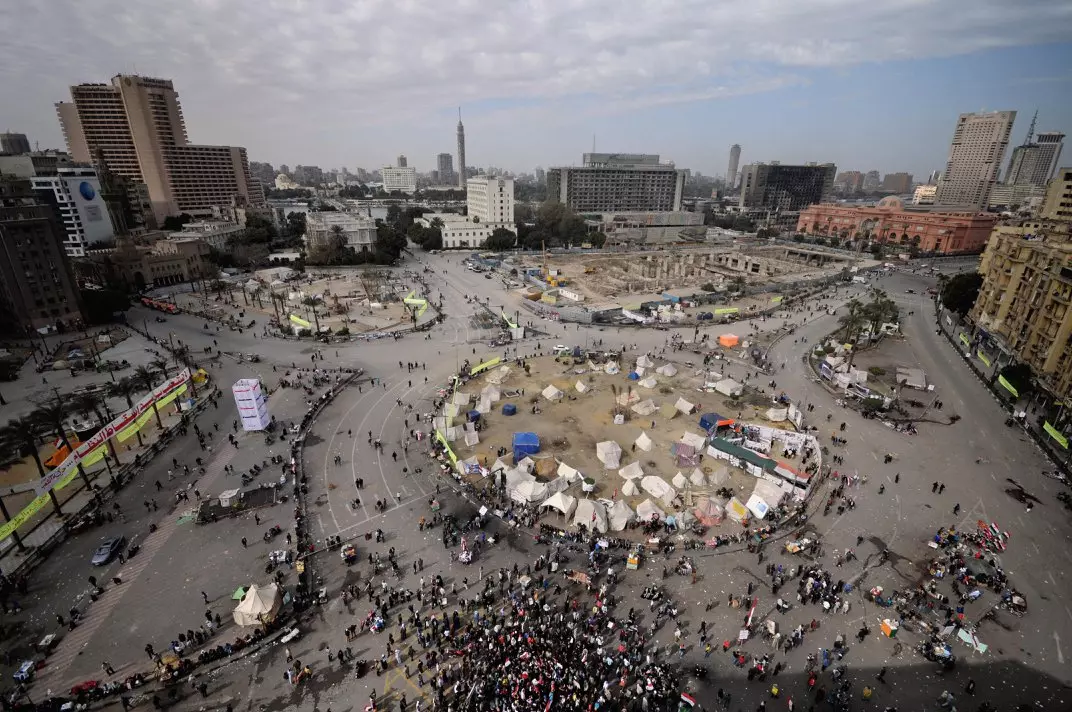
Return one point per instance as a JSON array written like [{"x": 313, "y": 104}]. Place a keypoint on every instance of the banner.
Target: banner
[
  {"x": 299, "y": 321},
  {"x": 1053, "y": 433},
  {"x": 983, "y": 357},
  {"x": 486, "y": 365},
  {"x": 421, "y": 305},
  {"x": 965, "y": 339},
  {"x": 776, "y": 300},
  {"x": 508, "y": 320},
  {"x": 446, "y": 447},
  {"x": 139, "y": 423},
  {"x": 1008, "y": 386},
  {"x": 726, "y": 310},
  {"x": 22, "y": 517}
]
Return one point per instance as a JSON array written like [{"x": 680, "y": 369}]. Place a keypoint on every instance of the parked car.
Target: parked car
[{"x": 107, "y": 550}]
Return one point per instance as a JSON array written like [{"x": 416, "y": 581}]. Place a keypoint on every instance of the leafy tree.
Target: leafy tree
[
  {"x": 288, "y": 193},
  {"x": 394, "y": 215},
  {"x": 260, "y": 229},
  {"x": 500, "y": 239},
  {"x": 877, "y": 251},
  {"x": 708, "y": 287},
  {"x": 961, "y": 291},
  {"x": 880, "y": 310},
  {"x": 174, "y": 223},
  {"x": 596, "y": 239},
  {"x": 1020, "y": 376},
  {"x": 53, "y": 415},
  {"x": 296, "y": 224}
]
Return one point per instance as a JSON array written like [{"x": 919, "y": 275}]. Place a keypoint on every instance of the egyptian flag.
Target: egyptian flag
[{"x": 687, "y": 699}]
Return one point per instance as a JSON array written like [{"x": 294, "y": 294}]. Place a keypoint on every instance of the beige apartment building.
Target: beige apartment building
[
  {"x": 1025, "y": 303},
  {"x": 137, "y": 124}
]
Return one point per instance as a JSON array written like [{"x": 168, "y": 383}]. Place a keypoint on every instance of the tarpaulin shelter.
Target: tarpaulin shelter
[
  {"x": 648, "y": 382},
  {"x": 680, "y": 481},
  {"x": 667, "y": 370},
  {"x": 757, "y": 506},
  {"x": 527, "y": 464},
  {"x": 565, "y": 470},
  {"x": 639, "y": 371},
  {"x": 580, "y": 387},
  {"x": 525, "y": 444},
  {"x": 509, "y": 409},
  {"x": 720, "y": 476},
  {"x": 697, "y": 478},
  {"x": 460, "y": 398},
  {"x": 645, "y": 362},
  {"x": 609, "y": 453},
  {"x": 695, "y": 440},
  {"x": 562, "y": 502},
  {"x": 529, "y": 492},
  {"x": 632, "y": 471},
  {"x": 735, "y": 510},
  {"x": 259, "y": 605},
  {"x": 491, "y": 392},
  {"x": 633, "y": 376},
  {"x": 498, "y": 375},
  {"x": 770, "y": 492},
  {"x": 684, "y": 406},
  {"x": 239, "y": 593},
  {"x": 713, "y": 421},
  {"x": 645, "y": 407},
  {"x": 473, "y": 416},
  {"x": 668, "y": 411},
  {"x": 551, "y": 393},
  {"x": 659, "y": 488},
  {"x": 685, "y": 455},
  {"x": 708, "y": 512},
  {"x": 643, "y": 442},
  {"x": 591, "y": 514},
  {"x": 618, "y": 515},
  {"x": 627, "y": 398},
  {"x": 729, "y": 387},
  {"x": 648, "y": 510},
  {"x": 629, "y": 489},
  {"x": 728, "y": 340},
  {"x": 472, "y": 438},
  {"x": 611, "y": 368}
]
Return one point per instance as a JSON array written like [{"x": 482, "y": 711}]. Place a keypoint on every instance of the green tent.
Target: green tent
[{"x": 239, "y": 593}]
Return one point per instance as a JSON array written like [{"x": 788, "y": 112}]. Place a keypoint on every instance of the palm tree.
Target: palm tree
[
  {"x": 126, "y": 388},
  {"x": 53, "y": 415},
  {"x": 851, "y": 323},
  {"x": 160, "y": 364},
  {"x": 146, "y": 378},
  {"x": 19, "y": 435},
  {"x": 880, "y": 310},
  {"x": 86, "y": 403},
  {"x": 311, "y": 302}
]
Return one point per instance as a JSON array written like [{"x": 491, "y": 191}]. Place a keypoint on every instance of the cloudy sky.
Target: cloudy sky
[{"x": 356, "y": 82}]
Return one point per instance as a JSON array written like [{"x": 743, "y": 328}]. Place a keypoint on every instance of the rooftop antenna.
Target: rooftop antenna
[
  {"x": 593, "y": 143},
  {"x": 1031, "y": 129}
]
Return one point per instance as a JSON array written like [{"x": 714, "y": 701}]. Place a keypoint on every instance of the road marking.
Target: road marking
[{"x": 1049, "y": 575}]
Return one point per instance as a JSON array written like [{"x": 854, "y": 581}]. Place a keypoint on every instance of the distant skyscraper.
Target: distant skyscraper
[
  {"x": 774, "y": 186},
  {"x": 871, "y": 181},
  {"x": 14, "y": 143},
  {"x": 445, "y": 167},
  {"x": 541, "y": 175},
  {"x": 1034, "y": 161},
  {"x": 975, "y": 156},
  {"x": 461, "y": 150},
  {"x": 731, "y": 169},
  {"x": 934, "y": 178},
  {"x": 897, "y": 182},
  {"x": 402, "y": 163}
]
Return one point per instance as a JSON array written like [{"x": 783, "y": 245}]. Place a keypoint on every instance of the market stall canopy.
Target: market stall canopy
[
  {"x": 551, "y": 393},
  {"x": 646, "y": 407},
  {"x": 609, "y": 453},
  {"x": 260, "y": 604},
  {"x": 561, "y": 501},
  {"x": 667, "y": 370},
  {"x": 648, "y": 510},
  {"x": 591, "y": 514},
  {"x": 643, "y": 442},
  {"x": 632, "y": 471},
  {"x": 658, "y": 487},
  {"x": 618, "y": 515}
]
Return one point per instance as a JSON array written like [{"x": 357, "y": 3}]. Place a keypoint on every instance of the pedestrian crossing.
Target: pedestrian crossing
[{"x": 73, "y": 643}]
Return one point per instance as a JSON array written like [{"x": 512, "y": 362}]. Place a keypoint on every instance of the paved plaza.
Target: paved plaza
[{"x": 160, "y": 593}]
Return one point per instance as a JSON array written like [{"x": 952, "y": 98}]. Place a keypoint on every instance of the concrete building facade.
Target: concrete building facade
[
  {"x": 402, "y": 179},
  {"x": 445, "y": 168},
  {"x": 76, "y": 193},
  {"x": 490, "y": 203},
  {"x": 14, "y": 143},
  {"x": 360, "y": 230},
  {"x": 733, "y": 167},
  {"x": 1025, "y": 303},
  {"x": 786, "y": 188},
  {"x": 136, "y": 124},
  {"x": 891, "y": 223},
  {"x": 849, "y": 181},
  {"x": 975, "y": 156},
  {"x": 1057, "y": 205},
  {"x": 924, "y": 194},
  {"x": 613, "y": 182},
  {"x": 37, "y": 286},
  {"x": 137, "y": 266},
  {"x": 1034, "y": 163},
  {"x": 899, "y": 183}
]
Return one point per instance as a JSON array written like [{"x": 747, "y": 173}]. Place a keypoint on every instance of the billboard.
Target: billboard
[{"x": 85, "y": 192}]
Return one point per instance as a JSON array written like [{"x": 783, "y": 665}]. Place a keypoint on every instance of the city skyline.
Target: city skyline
[{"x": 536, "y": 98}]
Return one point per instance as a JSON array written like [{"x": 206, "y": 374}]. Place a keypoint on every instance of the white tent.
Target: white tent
[
  {"x": 639, "y": 371},
  {"x": 644, "y": 362},
  {"x": 629, "y": 489},
  {"x": 649, "y": 510},
  {"x": 609, "y": 453},
  {"x": 498, "y": 375},
  {"x": 483, "y": 406},
  {"x": 648, "y": 382},
  {"x": 450, "y": 410},
  {"x": 561, "y": 501},
  {"x": 580, "y": 387},
  {"x": 460, "y": 398},
  {"x": 259, "y": 605},
  {"x": 618, "y": 515},
  {"x": 697, "y": 441},
  {"x": 515, "y": 477},
  {"x": 697, "y": 478},
  {"x": 529, "y": 492},
  {"x": 527, "y": 464},
  {"x": 684, "y": 406},
  {"x": 551, "y": 393},
  {"x": 657, "y": 487},
  {"x": 720, "y": 476},
  {"x": 452, "y": 433},
  {"x": 565, "y": 470},
  {"x": 729, "y": 387},
  {"x": 667, "y": 370},
  {"x": 591, "y": 514},
  {"x": 612, "y": 368},
  {"x": 472, "y": 438},
  {"x": 643, "y": 442},
  {"x": 632, "y": 471},
  {"x": 491, "y": 392},
  {"x": 757, "y": 506},
  {"x": 627, "y": 397},
  {"x": 646, "y": 407},
  {"x": 680, "y": 481}
]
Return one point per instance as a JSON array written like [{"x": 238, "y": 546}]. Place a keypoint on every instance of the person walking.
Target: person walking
[{"x": 204, "y": 597}]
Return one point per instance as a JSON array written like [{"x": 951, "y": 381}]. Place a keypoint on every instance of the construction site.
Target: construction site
[
  {"x": 596, "y": 277},
  {"x": 606, "y": 439}
]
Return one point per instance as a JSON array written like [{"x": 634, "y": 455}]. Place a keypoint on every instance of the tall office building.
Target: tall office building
[
  {"x": 897, "y": 182},
  {"x": 461, "y": 151},
  {"x": 138, "y": 125},
  {"x": 1034, "y": 162},
  {"x": 975, "y": 155},
  {"x": 618, "y": 182},
  {"x": 445, "y": 167},
  {"x": 403, "y": 180},
  {"x": 1057, "y": 204},
  {"x": 731, "y": 169},
  {"x": 14, "y": 143},
  {"x": 76, "y": 193},
  {"x": 402, "y": 162},
  {"x": 871, "y": 181},
  {"x": 783, "y": 188},
  {"x": 37, "y": 287}
]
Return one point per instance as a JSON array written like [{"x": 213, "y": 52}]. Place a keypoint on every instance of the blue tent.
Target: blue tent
[
  {"x": 709, "y": 421},
  {"x": 525, "y": 444},
  {"x": 474, "y": 415},
  {"x": 509, "y": 409},
  {"x": 633, "y": 376}
]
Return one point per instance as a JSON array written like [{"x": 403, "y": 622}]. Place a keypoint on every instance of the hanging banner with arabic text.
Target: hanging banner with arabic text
[
  {"x": 1053, "y": 433},
  {"x": 983, "y": 357},
  {"x": 1008, "y": 386}
]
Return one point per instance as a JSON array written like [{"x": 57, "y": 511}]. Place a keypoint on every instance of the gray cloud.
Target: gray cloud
[{"x": 325, "y": 65}]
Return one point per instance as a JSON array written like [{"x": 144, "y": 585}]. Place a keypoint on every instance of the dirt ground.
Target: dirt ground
[{"x": 570, "y": 428}]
